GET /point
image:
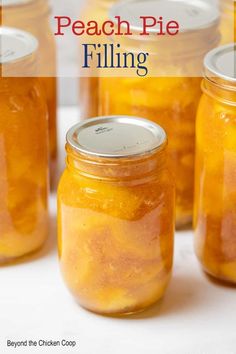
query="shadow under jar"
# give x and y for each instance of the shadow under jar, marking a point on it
(116, 215)
(33, 16)
(215, 191)
(23, 148)
(170, 93)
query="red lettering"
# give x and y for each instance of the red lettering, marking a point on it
(92, 29)
(78, 28)
(172, 28)
(161, 31)
(148, 22)
(120, 24)
(61, 25)
(111, 25)
(119, 27)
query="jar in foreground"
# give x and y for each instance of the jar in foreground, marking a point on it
(33, 16)
(171, 98)
(215, 193)
(96, 10)
(116, 215)
(23, 149)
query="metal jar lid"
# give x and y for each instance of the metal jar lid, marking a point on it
(221, 63)
(6, 3)
(15, 44)
(190, 14)
(116, 137)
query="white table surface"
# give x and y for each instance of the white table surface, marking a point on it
(196, 316)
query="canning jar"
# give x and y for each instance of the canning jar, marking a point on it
(23, 148)
(33, 17)
(172, 96)
(215, 194)
(116, 215)
(228, 21)
(93, 10)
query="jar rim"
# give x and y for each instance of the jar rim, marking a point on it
(216, 92)
(193, 8)
(220, 63)
(116, 137)
(16, 45)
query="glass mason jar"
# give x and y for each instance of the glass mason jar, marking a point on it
(215, 196)
(96, 10)
(23, 148)
(228, 21)
(116, 215)
(171, 98)
(33, 16)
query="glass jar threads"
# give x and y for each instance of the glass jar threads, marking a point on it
(23, 148)
(171, 98)
(33, 16)
(116, 214)
(215, 196)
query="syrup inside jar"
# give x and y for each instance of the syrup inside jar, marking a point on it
(116, 215)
